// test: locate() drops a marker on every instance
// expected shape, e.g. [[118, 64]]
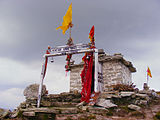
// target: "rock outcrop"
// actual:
[[110, 105], [4, 113], [67, 105], [32, 91]]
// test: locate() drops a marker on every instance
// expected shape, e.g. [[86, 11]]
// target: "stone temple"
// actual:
[[115, 70]]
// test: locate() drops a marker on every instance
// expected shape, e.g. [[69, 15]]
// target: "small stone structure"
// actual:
[[116, 70]]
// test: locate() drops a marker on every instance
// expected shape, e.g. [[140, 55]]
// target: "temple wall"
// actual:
[[75, 78], [126, 76], [116, 70]]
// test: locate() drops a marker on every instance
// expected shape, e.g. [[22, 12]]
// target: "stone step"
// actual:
[[57, 104], [77, 100], [53, 110], [63, 97], [62, 113]]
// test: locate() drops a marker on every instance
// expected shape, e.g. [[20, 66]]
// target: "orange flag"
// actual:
[[149, 72]]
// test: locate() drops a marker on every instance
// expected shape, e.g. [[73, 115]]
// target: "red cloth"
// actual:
[[45, 66], [86, 74], [86, 77], [91, 34]]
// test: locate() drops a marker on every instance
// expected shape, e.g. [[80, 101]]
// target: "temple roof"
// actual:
[[102, 57], [119, 57]]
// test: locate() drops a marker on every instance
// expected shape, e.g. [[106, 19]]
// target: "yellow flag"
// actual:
[[67, 20]]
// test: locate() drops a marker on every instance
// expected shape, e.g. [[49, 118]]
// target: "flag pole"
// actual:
[[70, 41], [147, 79], [147, 76], [70, 29]]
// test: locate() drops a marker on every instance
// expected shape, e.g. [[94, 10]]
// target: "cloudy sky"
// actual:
[[27, 27]]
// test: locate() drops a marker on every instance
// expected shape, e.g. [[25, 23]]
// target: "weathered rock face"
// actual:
[[32, 91]]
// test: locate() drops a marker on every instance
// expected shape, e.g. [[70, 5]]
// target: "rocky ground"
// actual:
[[112, 105], [147, 113]]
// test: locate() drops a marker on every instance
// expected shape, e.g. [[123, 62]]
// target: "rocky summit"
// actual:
[[111, 105]]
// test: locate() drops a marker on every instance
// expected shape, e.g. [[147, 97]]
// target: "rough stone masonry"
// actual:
[[116, 70]]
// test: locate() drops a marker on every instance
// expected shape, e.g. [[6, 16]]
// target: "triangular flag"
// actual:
[[149, 72], [91, 34], [67, 20]]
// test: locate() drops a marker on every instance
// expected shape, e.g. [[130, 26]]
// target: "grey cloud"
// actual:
[[117, 23]]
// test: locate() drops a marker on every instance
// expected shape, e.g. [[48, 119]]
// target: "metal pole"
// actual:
[[96, 71], [40, 92], [41, 84]]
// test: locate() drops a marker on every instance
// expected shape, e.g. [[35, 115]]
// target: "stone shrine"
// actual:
[[115, 70]]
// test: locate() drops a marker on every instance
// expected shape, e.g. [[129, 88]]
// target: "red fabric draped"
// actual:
[[45, 64], [86, 77]]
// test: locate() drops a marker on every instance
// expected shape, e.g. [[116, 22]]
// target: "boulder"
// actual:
[[134, 107], [144, 96], [32, 91], [143, 102], [81, 104], [69, 110], [145, 86], [22, 105], [98, 110], [127, 94], [148, 92], [4, 113], [84, 108], [105, 103], [14, 114], [109, 95], [154, 94], [29, 114]]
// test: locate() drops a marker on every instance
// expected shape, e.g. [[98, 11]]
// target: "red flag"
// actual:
[[86, 77], [91, 34]]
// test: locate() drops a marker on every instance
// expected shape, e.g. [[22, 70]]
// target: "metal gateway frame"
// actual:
[[65, 50]]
